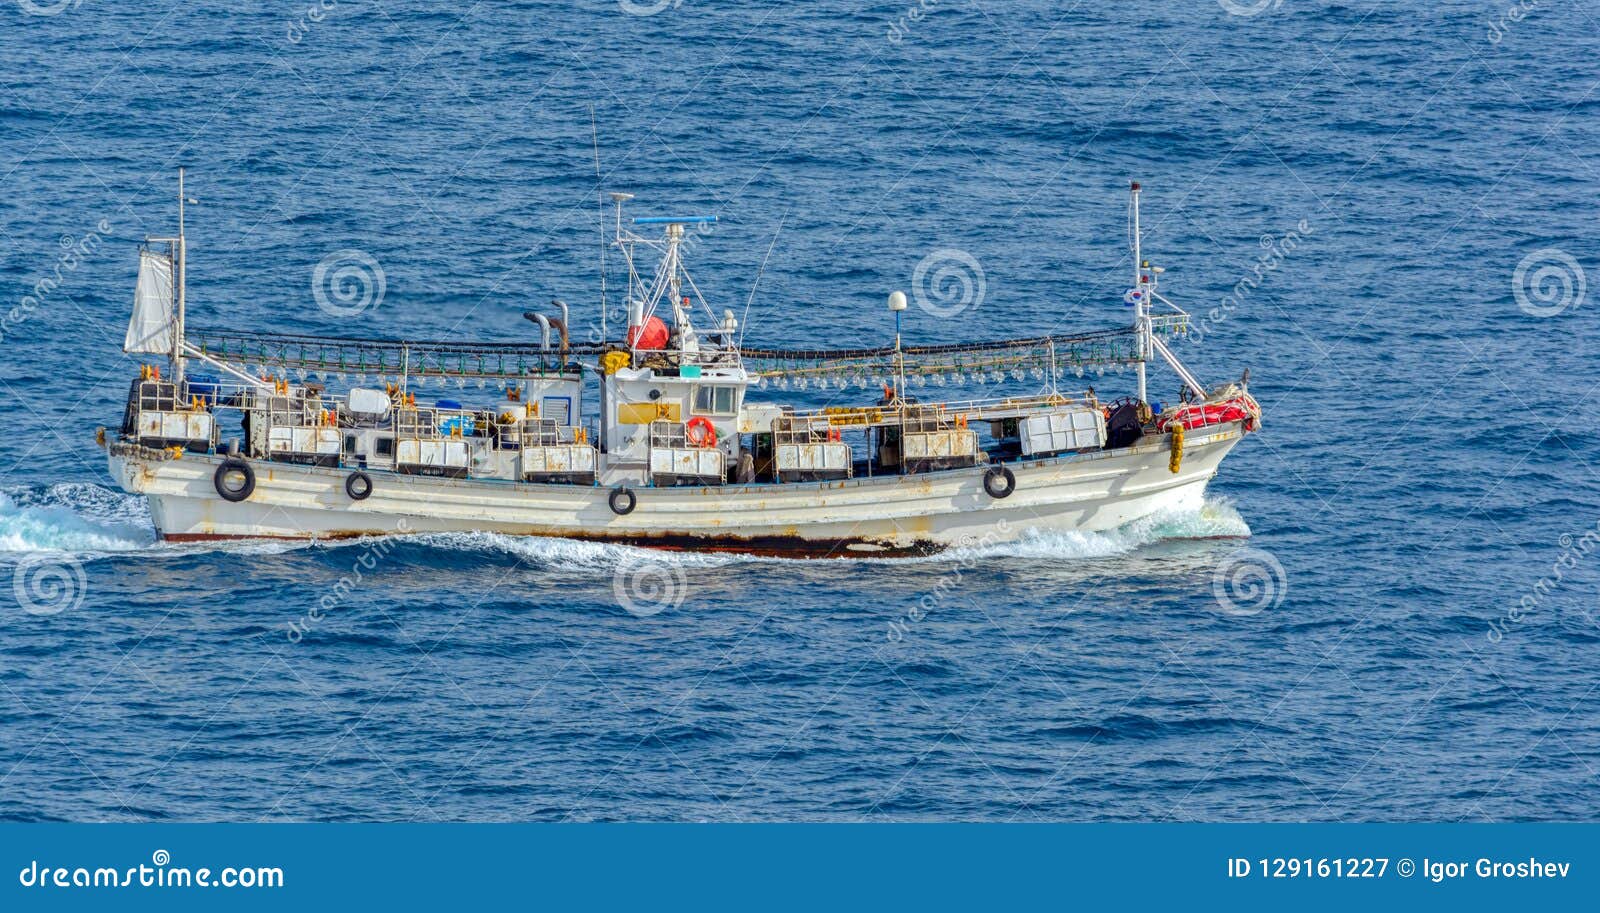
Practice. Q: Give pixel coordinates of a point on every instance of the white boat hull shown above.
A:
(889, 514)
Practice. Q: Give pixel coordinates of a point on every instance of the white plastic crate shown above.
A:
(816, 457)
(303, 441)
(929, 445)
(451, 454)
(1063, 430)
(561, 458)
(175, 426)
(693, 462)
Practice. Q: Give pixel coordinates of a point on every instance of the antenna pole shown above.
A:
(594, 132)
(899, 362)
(744, 322)
(1140, 305)
(183, 268)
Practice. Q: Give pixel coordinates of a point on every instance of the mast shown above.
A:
(1141, 307)
(627, 285)
(183, 265)
(897, 304)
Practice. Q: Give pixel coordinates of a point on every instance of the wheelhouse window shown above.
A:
(714, 400)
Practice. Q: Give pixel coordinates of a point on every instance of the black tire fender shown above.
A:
(227, 468)
(622, 501)
(358, 485)
(999, 482)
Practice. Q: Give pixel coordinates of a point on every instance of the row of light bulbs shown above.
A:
(937, 380)
(781, 382)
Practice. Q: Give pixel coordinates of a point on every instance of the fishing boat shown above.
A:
(670, 436)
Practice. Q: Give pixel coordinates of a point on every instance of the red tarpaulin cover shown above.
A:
(1198, 416)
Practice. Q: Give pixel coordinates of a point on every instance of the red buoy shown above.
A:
(652, 335)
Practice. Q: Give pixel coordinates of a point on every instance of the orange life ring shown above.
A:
(708, 432)
(834, 435)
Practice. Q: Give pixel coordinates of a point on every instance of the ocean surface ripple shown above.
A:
(1384, 609)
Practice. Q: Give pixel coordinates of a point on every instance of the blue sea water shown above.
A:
(1384, 611)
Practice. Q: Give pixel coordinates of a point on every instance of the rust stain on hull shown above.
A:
(764, 546)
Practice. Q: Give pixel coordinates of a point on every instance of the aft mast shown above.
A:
(1141, 309)
(182, 251)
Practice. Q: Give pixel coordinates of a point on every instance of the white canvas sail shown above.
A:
(150, 330)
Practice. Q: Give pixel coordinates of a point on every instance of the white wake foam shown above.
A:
(1213, 519)
(73, 517)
